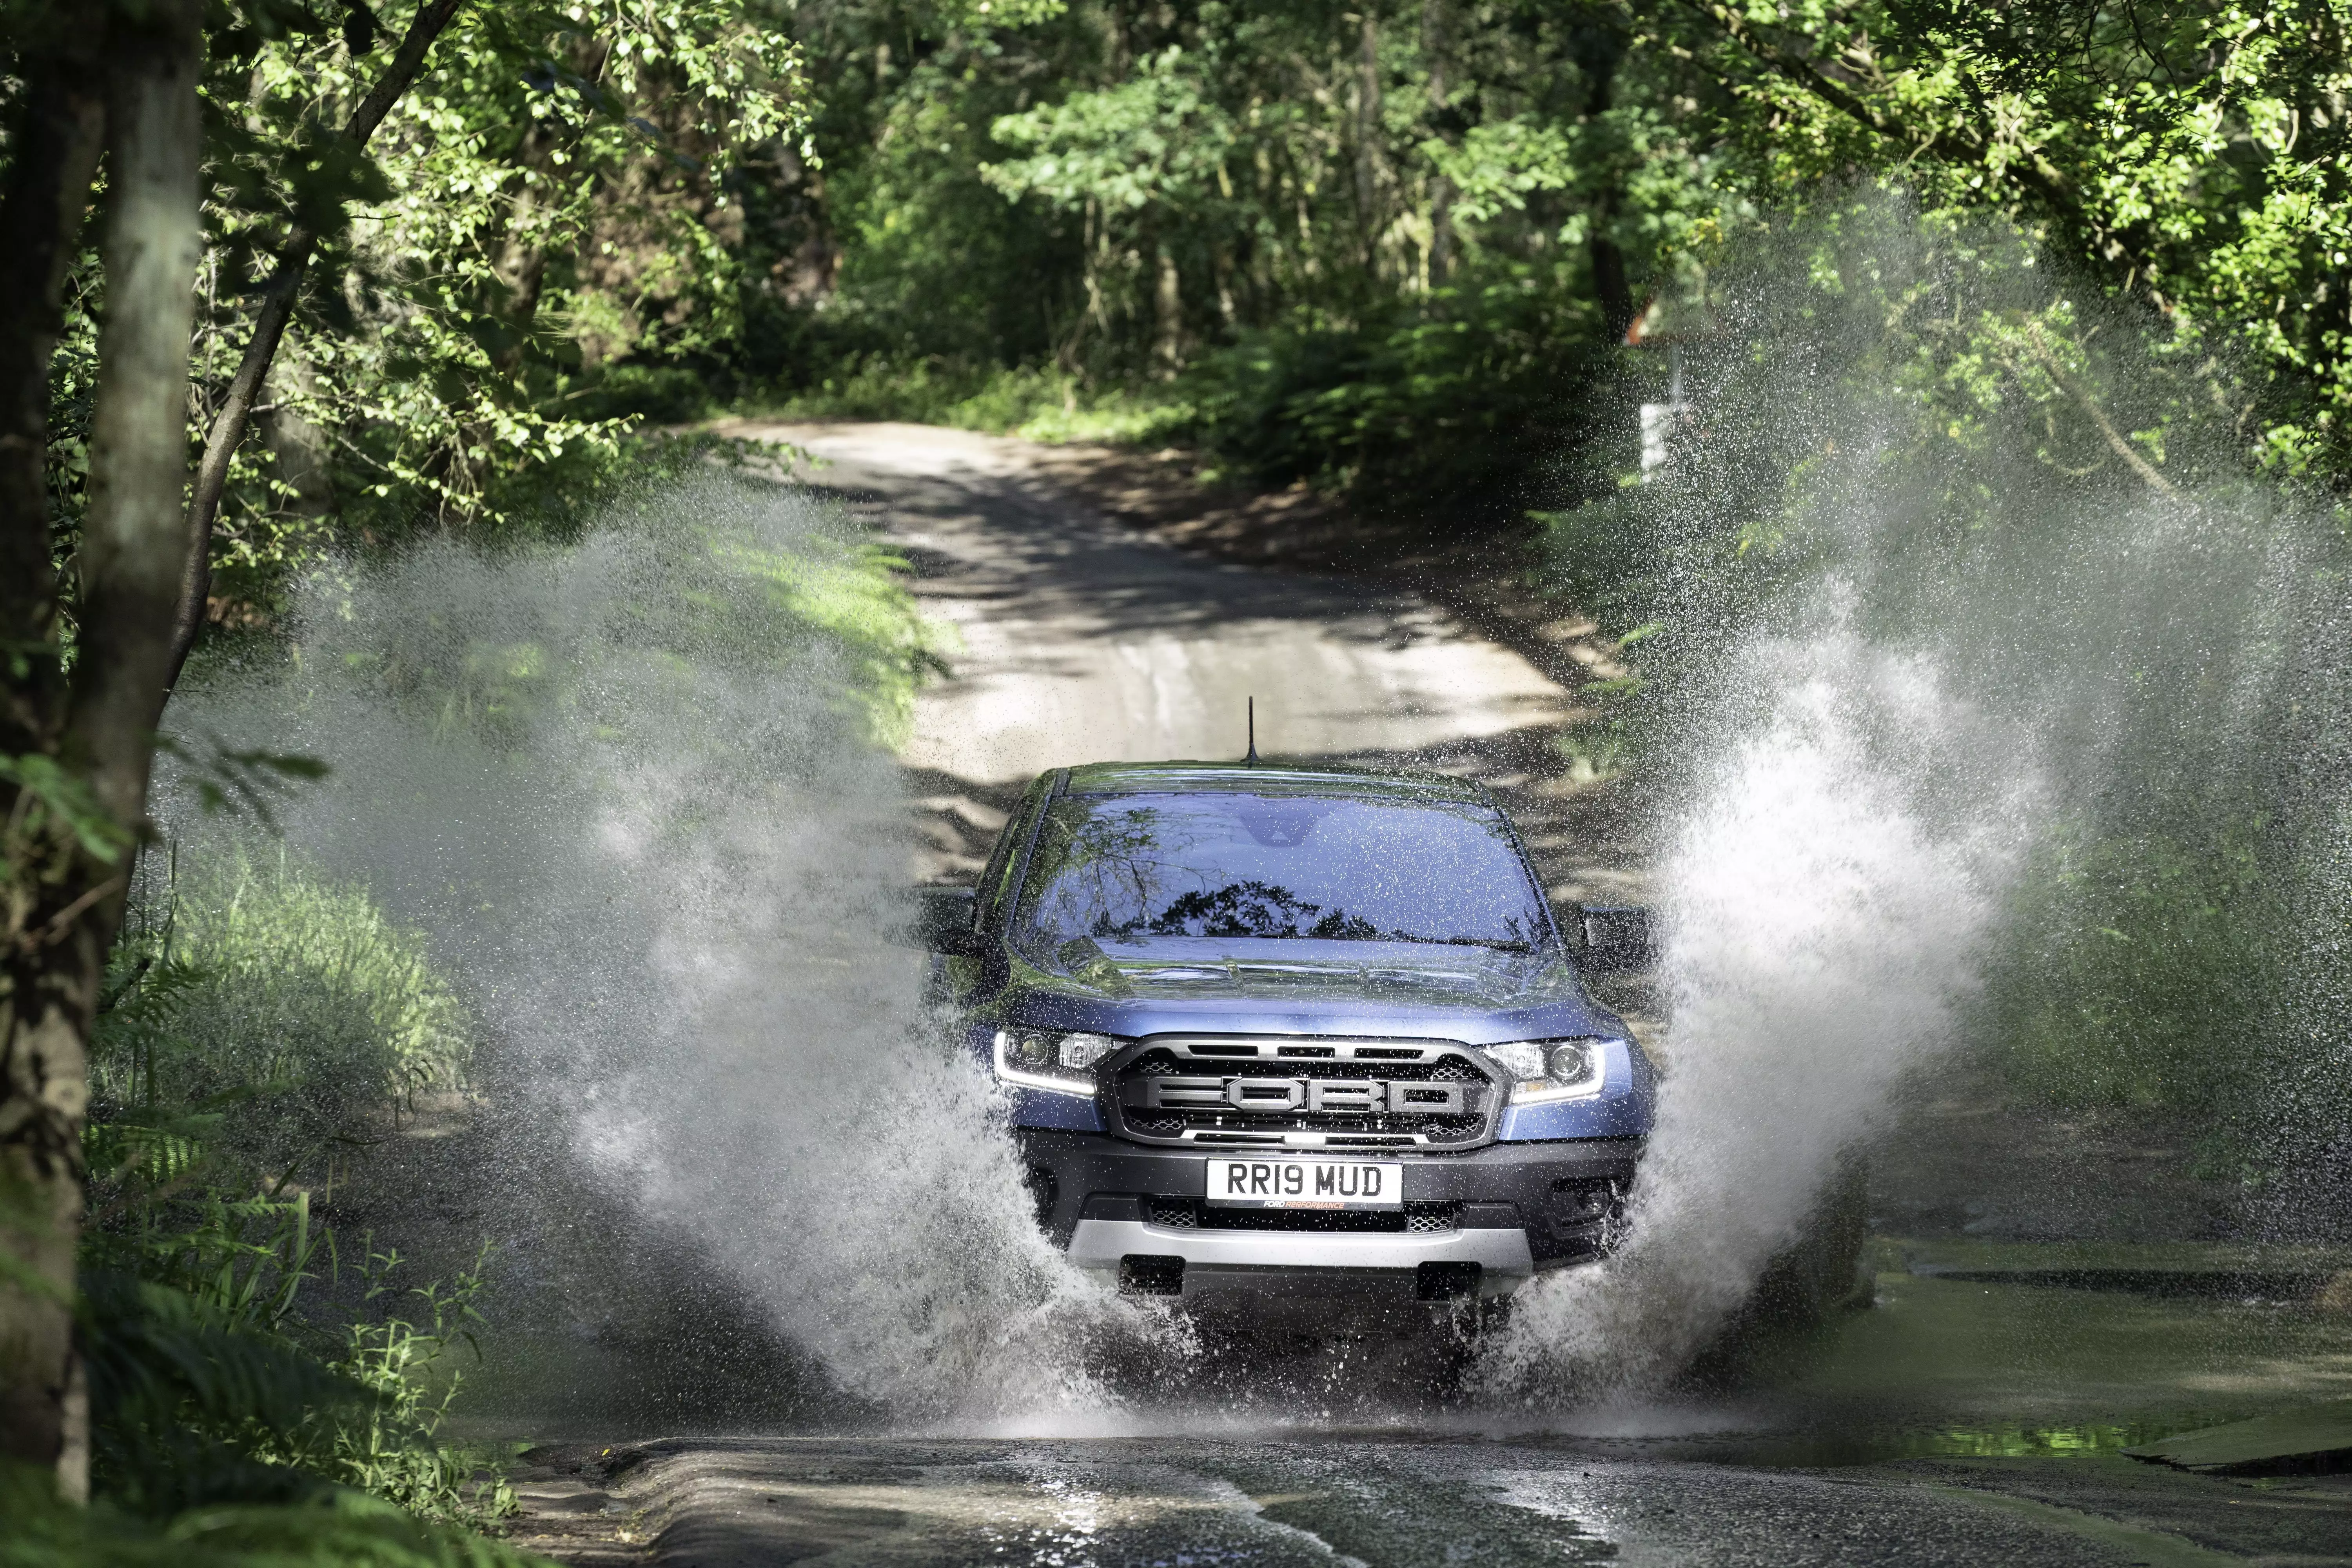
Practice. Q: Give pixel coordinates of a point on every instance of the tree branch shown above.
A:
(278, 297)
(2116, 441)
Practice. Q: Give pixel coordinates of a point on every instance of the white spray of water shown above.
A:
(644, 830)
(1828, 898)
(1970, 644)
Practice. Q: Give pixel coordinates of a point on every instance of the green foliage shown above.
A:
(253, 1018)
(706, 563)
(2188, 154)
(1044, 404)
(558, 194)
(1463, 398)
(286, 998)
(338, 1530)
(2149, 956)
(400, 1361)
(221, 1370)
(1372, 250)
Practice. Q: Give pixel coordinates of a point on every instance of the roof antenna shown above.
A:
(1251, 758)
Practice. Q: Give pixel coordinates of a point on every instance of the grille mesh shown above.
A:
(1417, 1218)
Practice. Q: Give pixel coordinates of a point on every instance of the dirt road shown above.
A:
(1084, 639)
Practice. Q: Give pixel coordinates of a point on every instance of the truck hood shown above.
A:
(1205, 969)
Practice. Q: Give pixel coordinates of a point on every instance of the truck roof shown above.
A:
(1268, 778)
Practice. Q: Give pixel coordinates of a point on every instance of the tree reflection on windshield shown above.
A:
(1253, 909)
(1133, 867)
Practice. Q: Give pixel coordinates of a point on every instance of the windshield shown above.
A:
(1130, 867)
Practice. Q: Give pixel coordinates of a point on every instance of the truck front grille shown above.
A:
(1241, 1091)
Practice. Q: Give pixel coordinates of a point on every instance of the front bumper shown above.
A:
(1481, 1221)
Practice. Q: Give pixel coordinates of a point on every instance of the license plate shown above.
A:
(1305, 1183)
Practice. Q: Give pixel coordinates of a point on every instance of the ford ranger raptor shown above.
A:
(1278, 1035)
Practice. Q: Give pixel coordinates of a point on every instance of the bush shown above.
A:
(258, 1015)
(218, 1376)
(1040, 402)
(1459, 402)
(2141, 968)
(289, 996)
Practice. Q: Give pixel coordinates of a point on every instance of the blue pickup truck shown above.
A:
(1276, 1035)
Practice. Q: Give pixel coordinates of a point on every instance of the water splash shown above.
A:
(1826, 912)
(1946, 676)
(635, 810)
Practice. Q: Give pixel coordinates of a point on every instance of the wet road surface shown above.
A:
(1318, 1499)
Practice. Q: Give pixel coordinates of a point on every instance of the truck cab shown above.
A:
(1278, 1037)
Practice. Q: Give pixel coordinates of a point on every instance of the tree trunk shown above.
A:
(65, 901)
(1167, 310)
(298, 447)
(1434, 41)
(522, 266)
(1367, 132)
(54, 155)
(55, 145)
(1602, 50)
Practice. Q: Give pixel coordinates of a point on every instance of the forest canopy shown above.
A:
(1384, 249)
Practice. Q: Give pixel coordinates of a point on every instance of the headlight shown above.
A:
(1545, 1070)
(1059, 1064)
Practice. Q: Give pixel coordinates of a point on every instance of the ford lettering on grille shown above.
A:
(1363, 1094)
(1357, 1097)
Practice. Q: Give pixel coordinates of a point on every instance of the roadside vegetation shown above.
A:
(441, 257)
(438, 271)
(260, 1385)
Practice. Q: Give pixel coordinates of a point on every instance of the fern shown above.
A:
(335, 1529)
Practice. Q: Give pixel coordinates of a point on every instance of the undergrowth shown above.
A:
(262, 986)
(257, 1391)
(1036, 403)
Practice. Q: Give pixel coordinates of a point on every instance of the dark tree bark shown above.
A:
(1599, 51)
(65, 898)
(229, 426)
(1368, 138)
(1168, 314)
(1435, 40)
(299, 454)
(55, 146)
(53, 157)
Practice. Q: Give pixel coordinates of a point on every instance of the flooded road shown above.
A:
(1952, 1423)
(1395, 1502)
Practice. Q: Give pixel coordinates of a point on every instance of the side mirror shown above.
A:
(942, 921)
(1616, 937)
